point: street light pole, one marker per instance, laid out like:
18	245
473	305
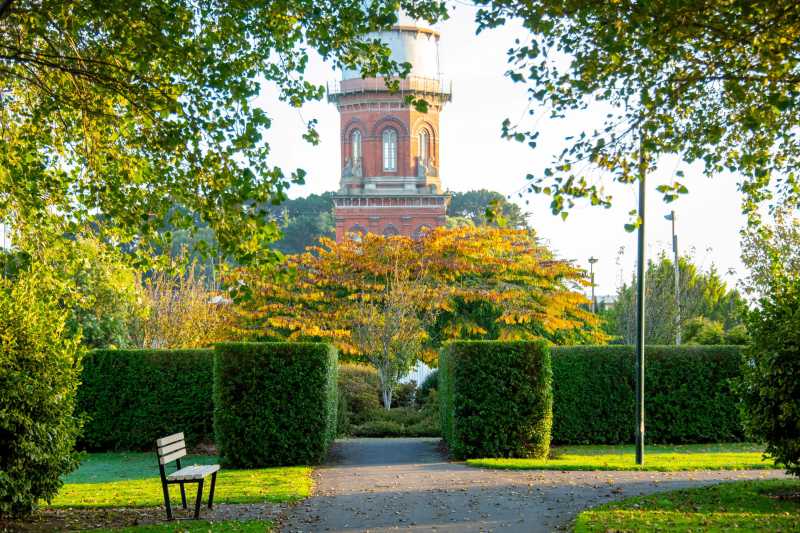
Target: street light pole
677	269
640	322
592	261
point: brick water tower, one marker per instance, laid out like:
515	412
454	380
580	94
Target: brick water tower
390	182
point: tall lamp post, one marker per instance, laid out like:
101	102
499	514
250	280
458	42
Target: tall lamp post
671	217
592	261
640	323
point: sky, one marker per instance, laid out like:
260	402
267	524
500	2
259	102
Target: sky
473	156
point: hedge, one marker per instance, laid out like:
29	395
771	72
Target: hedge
496	398
133	397
688	396
274	403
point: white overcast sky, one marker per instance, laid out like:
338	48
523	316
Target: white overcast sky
473	156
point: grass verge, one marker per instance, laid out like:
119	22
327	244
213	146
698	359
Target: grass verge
734	456
132	480
771	505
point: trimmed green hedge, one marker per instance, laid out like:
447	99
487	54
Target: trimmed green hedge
133	397
688	394
274	403
496	398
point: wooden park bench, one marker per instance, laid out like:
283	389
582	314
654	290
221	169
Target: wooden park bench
171	449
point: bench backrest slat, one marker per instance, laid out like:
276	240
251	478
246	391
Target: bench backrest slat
169	439
172	456
171	448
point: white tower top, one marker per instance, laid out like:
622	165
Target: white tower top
410	41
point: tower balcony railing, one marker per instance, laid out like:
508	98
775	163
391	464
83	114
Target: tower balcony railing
415	85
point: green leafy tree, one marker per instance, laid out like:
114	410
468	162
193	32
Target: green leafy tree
700	330
119	111
303	221
713	81
459	222
771	251
39	373
100	293
484	207
737	335
118	118
706	303
769	387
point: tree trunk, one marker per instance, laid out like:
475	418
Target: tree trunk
387	387
387	399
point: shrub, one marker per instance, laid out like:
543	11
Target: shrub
700	330
39	369
181	312
737	335
360	390
399	422
274	403
688	394
496	398
770	387
342	417
380	428
430	383
133	397
405	394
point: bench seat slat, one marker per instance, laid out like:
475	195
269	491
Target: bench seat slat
169	439
164	459
193	472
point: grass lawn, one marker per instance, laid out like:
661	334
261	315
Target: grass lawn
132	480
772	505
735	456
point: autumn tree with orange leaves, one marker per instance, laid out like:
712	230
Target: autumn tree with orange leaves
394	300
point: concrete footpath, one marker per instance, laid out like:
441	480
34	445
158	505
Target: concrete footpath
407	484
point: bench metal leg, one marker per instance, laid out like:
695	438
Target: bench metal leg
165	488
183	496
199	499
211	490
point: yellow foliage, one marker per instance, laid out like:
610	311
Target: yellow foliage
323	293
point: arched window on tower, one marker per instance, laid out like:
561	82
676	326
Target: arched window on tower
356	232
355	146
424	144
421	231
389	149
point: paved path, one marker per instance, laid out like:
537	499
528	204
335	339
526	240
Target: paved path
406	484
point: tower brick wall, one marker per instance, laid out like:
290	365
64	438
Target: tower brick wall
391	185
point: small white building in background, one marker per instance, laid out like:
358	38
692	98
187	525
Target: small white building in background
606	301
418	373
